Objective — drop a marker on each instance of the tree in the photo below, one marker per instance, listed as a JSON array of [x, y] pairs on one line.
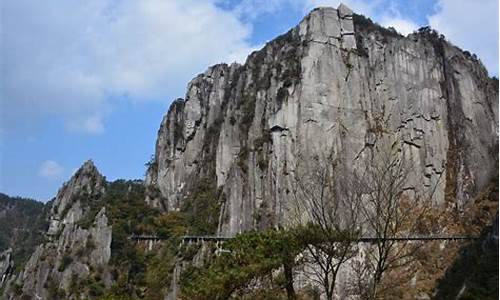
[[327, 207], [339, 204], [390, 208], [251, 263]]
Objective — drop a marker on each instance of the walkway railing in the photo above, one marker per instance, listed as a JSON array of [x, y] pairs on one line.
[[210, 238]]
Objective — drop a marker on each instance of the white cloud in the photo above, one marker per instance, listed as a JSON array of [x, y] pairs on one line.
[[401, 25], [70, 60], [50, 169], [67, 59], [472, 25], [88, 124]]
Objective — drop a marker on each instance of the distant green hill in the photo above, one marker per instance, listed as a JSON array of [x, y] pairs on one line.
[[22, 224]]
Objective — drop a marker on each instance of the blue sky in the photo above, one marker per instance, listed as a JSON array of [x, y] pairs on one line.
[[92, 79]]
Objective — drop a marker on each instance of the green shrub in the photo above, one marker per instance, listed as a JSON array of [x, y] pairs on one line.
[[96, 289], [55, 293], [65, 262], [281, 96], [247, 114], [88, 219], [243, 159], [74, 286], [18, 289], [171, 224]]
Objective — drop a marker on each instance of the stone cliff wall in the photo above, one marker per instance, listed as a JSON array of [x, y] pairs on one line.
[[336, 82]]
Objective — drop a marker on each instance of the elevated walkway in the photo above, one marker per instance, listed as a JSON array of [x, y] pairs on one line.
[[213, 238]]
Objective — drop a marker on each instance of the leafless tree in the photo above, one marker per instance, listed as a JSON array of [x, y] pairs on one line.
[[391, 208], [327, 207], [338, 204]]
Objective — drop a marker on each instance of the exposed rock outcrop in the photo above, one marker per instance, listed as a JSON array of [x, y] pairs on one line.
[[78, 243], [6, 265], [336, 82], [67, 208]]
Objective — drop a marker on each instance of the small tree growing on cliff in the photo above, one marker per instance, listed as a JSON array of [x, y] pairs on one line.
[[327, 207]]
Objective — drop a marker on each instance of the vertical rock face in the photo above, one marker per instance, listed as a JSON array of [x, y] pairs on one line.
[[6, 265], [336, 82], [78, 243]]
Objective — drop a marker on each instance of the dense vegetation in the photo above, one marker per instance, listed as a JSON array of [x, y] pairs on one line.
[[140, 273], [22, 224], [258, 265], [364, 23], [251, 256]]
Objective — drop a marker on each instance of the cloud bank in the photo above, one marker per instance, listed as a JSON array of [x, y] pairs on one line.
[[471, 25], [72, 59]]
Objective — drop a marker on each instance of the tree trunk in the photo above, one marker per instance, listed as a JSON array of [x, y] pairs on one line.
[[288, 270]]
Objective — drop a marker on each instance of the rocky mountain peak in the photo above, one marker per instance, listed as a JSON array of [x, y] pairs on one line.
[[78, 240], [87, 184], [88, 167], [87, 179]]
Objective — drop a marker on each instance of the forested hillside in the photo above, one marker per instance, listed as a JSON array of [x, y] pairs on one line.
[[22, 226]]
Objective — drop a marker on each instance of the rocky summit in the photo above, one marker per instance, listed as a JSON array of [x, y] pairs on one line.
[[231, 158]]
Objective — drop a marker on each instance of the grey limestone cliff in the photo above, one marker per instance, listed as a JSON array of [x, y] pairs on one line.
[[336, 82]]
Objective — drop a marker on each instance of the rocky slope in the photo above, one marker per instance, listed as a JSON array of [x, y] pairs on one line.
[[78, 243], [335, 83]]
